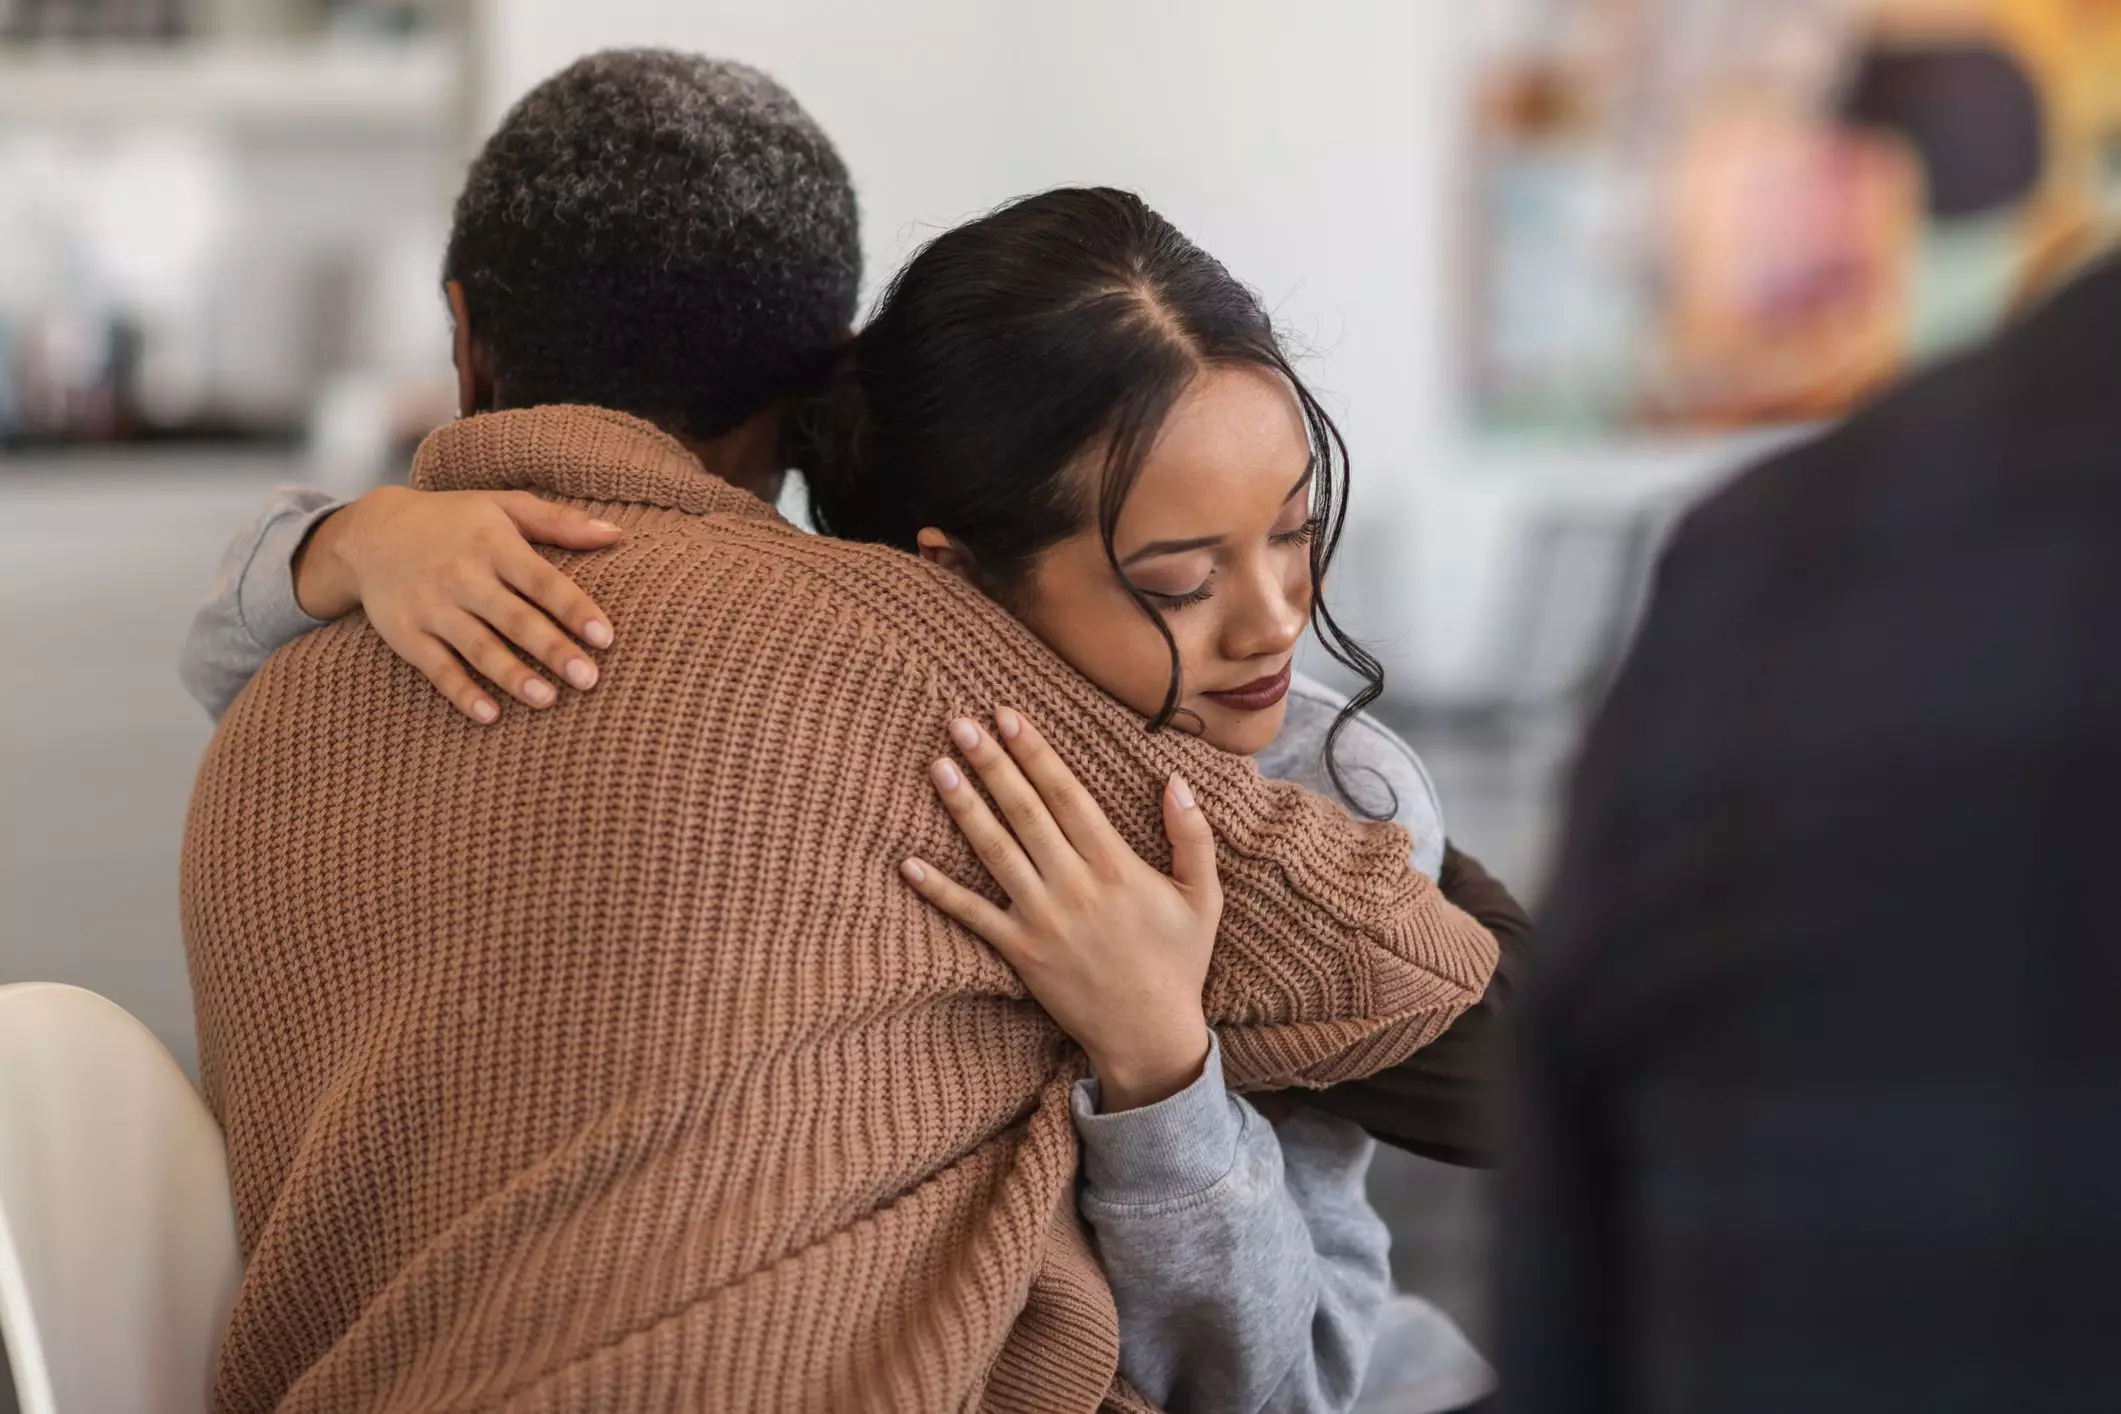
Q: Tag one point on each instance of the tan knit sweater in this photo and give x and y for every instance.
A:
(600, 1061)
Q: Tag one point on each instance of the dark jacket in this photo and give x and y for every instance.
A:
(1821, 1086)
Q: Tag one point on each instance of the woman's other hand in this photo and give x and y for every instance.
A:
(449, 578)
(1116, 952)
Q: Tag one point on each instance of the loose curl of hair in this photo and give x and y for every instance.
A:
(1013, 348)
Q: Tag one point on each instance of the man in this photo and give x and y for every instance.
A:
(597, 1060)
(1821, 1085)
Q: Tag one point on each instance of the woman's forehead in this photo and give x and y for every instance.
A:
(1234, 444)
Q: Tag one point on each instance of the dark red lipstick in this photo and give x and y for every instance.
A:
(1256, 696)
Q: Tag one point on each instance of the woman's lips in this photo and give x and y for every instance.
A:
(1256, 696)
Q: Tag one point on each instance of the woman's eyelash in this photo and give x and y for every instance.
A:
(1299, 536)
(1181, 601)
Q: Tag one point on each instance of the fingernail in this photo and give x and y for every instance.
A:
(945, 775)
(913, 872)
(964, 734)
(539, 692)
(581, 674)
(1007, 723)
(598, 633)
(1181, 792)
(604, 525)
(485, 711)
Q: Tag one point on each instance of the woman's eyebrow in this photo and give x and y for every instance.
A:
(1310, 475)
(1171, 547)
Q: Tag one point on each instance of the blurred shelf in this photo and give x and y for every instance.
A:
(363, 86)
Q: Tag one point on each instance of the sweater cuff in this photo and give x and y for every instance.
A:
(265, 597)
(1171, 1149)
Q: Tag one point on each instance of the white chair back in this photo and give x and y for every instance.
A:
(118, 1253)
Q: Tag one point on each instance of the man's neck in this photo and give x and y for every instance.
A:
(748, 456)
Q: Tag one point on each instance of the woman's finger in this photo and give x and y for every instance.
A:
(967, 907)
(547, 586)
(1072, 807)
(551, 523)
(490, 657)
(1192, 843)
(521, 623)
(440, 666)
(1035, 829)
(990, 840)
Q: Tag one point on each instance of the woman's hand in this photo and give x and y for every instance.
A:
(1116, 952)
(449, 573)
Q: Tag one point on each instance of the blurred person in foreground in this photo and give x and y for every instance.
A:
(1821, 1097)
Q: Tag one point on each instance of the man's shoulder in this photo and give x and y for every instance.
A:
(703, 576)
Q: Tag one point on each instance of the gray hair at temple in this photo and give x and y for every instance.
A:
(661, 233)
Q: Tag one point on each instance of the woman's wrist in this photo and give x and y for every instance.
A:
(325, 587)
(1157, 1067)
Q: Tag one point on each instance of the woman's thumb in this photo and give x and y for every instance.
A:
(546, 522)
(1192, 842)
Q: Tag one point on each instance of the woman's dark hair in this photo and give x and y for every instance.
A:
(1008, 348)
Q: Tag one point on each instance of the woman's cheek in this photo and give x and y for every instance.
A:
(1297, 578)
(1147, 659)
(1124, 655)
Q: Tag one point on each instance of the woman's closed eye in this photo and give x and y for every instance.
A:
(1173, 598)
(1300, 535)
(1182, 598)
(1175, 581)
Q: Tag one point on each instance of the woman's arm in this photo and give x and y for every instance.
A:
(1249, 1269)
(250, 608)
(1248, 1275)
(1440, 1101)
(448, 579)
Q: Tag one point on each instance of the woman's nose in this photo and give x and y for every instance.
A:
(1270, 616)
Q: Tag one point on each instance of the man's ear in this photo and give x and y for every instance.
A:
(474, 375)
(939, 549)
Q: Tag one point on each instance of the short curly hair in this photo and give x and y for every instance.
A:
(661, 233)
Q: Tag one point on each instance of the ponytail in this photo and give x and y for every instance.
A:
(831, 444)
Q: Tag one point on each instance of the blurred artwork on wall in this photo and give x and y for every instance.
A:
(1704, 214)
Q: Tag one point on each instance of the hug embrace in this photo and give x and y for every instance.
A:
(839, 995)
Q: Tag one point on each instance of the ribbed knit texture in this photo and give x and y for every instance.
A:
(599, 1060)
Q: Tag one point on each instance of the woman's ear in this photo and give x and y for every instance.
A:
(939, 549)
(474, 378)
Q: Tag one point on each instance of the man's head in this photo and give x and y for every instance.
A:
(660, 233)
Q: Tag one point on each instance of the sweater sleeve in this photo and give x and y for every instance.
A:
(1249, 1270)
(250, 608)
(1441, 1101)
(1336, 958)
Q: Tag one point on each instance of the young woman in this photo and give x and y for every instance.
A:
(1088, 418)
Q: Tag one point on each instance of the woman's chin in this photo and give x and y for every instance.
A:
(1240, 733)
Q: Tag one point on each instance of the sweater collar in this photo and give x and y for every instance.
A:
(583, 453)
